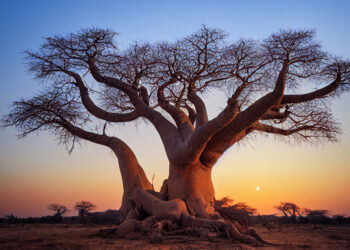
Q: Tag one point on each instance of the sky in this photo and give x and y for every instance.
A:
(35, 171)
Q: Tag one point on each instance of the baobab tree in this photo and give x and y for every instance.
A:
(165, 84)
(58, 209)
(84, 207)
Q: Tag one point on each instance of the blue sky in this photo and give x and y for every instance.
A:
(24, 24)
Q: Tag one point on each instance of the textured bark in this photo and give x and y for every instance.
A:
(166, 213)
(193, 184)
(202, 116)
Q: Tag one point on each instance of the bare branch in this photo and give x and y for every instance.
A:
(338, 71)
(181, 119)
(307, 125)
(192, 115)
(201, 110)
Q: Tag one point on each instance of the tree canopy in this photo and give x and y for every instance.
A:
(58, 209)
(84, 207)
(146, 80)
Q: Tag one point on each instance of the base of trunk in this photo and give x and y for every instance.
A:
(193, 185)
(185, 205)
(155, 218)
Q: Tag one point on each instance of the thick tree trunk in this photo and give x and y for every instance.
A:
(133, 175)
(193, 185)
(185, 201)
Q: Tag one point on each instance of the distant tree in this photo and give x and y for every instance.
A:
(316, 213)
(10, 218)
(234, 211)
(290, 210)
(84, 207)
(58, 209)
(317, 216)
(339, 218)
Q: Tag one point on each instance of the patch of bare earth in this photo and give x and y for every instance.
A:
(54, 236)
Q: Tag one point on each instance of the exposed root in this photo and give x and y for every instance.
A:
(157, 230)
(225, 228)
(170, 210)
(164, 225)
(156, 219)
(130, 226)
(201, 209)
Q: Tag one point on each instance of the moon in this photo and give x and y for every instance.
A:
(257, 188)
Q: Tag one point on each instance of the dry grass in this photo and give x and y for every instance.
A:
(51, 236)
(308, 236)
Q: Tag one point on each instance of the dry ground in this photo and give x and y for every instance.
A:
(53, 236)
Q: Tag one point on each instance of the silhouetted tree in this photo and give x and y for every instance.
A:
(317, 215)
(84, 207)
(290, 210)
(59, 210)
(164, 84)
(339, 218)
(234, 211)
(10, 218)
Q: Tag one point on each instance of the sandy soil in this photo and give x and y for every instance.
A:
(51, 236)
